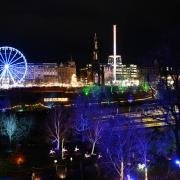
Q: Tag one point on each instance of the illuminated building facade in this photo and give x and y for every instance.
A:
(86, 74)
(42, 73)
(50, 73)
(126, 75)
(66, 72)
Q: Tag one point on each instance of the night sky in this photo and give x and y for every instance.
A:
(55, 30)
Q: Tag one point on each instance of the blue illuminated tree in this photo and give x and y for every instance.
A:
(144, 144)
(82, 116)
(82, 123)
(15, 129)
(169, 99)
(95, 133)
(119, 146)
(168, 87)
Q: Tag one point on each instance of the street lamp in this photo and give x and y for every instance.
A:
(55, 162)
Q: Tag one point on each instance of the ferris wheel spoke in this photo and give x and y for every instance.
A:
(19, 67)
(2, 74)
(2, 58)
(13, 57)
(18, 63)
(15, 75)
(1, 70)
(16, 59)
(16, 71)
(2, 61)
(11, 77)
(5, 55)
(9, 55)
(1, 67)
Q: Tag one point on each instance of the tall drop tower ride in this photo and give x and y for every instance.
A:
(114, 59)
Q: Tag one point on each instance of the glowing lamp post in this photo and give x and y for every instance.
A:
(55, 162)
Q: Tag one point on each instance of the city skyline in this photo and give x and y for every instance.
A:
(53, 31)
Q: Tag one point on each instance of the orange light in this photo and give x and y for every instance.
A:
(62, 176)
(37, 178)
(20, 160)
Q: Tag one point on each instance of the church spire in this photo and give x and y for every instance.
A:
(95, 51)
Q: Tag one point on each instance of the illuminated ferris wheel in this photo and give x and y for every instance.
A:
(13, 66)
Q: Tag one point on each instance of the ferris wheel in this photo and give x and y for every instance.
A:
(13, 66)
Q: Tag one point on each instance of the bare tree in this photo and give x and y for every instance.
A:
(13, 128)
(95, 133)
(57, 127)
(119, 144)
(143, 149)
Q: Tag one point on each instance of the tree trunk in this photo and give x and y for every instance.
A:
(10, 140)
(62, 147)
(58, 145)
(93, 147)
(122, 171)
(146, 173)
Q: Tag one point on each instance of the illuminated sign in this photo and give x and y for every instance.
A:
(55, 99)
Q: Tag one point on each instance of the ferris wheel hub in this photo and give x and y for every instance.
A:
(6, 66)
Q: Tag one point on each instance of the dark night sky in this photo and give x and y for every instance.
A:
(54, 30)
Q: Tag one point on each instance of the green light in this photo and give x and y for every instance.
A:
(111, 89)
(122, 89)
(86, 90)
(145, 86)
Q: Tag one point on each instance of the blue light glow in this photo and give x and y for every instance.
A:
(177, 162)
